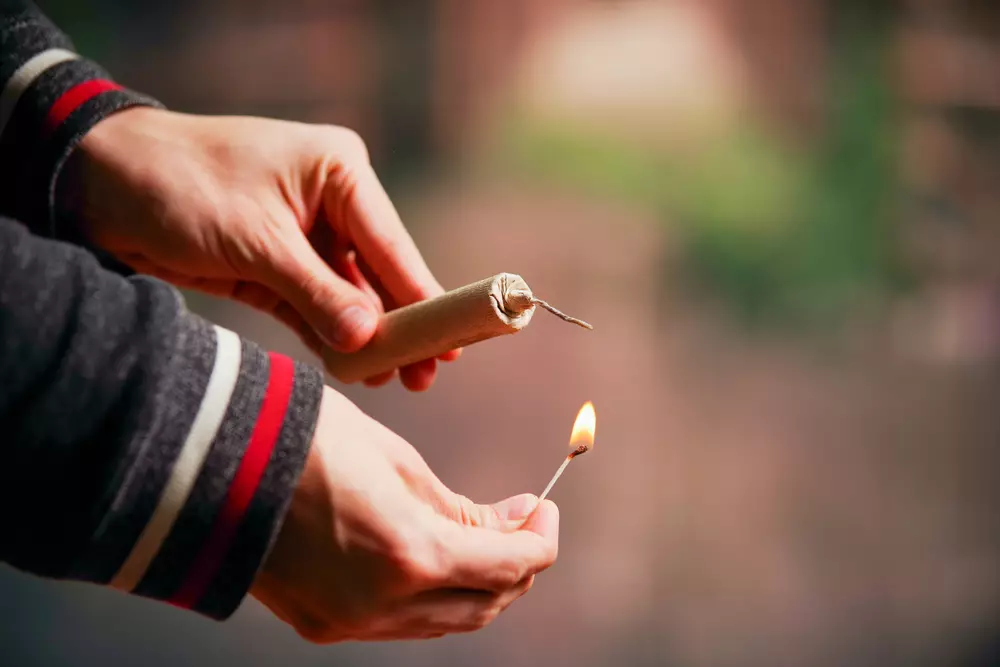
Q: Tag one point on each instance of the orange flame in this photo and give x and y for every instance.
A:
(582, 439)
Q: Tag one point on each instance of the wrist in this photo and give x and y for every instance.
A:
(309, 496)
(99, 153)
(110, 137)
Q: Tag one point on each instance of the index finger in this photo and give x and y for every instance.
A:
(489, 559)
(418, 376)
(370, 219)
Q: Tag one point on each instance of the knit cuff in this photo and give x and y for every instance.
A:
(194, 518)
(51, 97)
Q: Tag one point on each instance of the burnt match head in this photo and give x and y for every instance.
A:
(580, 442)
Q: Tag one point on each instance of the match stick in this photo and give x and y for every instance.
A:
(582, 449)
(582, 440)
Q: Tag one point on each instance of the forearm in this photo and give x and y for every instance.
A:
(142, 447)
(50, 98)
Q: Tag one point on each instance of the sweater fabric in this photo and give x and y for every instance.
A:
(143, 448)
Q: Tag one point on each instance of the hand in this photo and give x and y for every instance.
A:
(375, 547)
(286, 217)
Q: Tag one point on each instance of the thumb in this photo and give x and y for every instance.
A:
(496, 560)
(342, 315)
(514, 511)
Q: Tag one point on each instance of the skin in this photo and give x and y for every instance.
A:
(286, 217)
(291, 219)
(375, 547)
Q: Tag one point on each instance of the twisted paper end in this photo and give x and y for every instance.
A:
(517, 298)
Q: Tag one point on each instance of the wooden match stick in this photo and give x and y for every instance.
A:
(581, 440)
(582, 449)
(498, 305)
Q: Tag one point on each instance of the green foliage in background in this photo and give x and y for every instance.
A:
(778, 234)
(91, 25)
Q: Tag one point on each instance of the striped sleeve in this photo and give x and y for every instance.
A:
(143, 448)
(50, 98)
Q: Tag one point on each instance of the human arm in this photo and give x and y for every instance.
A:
(286, 217)
(376, 547)
(147, 450)
(143, 448)
(50, 98)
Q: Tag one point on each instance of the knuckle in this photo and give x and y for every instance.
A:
(391, 241)
(342, 174)
(349, 144)
(508, 576)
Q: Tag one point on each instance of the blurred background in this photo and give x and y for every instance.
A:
(781, 218)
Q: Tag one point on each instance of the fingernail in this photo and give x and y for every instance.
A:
(517, 508)
(353, 327)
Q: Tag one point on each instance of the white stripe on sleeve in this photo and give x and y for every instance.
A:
(190, 460)
(24, 76)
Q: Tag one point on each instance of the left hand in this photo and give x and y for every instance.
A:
(375, 547)
(287, 217)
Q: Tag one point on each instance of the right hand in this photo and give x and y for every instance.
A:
(286, 217)
(376, 547)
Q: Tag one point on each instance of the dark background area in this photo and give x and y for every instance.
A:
(781, 218)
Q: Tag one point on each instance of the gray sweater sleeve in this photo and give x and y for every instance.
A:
(142, 447)
(50, 98)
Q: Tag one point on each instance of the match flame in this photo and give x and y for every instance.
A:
(582, 439)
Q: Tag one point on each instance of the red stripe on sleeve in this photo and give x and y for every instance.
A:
(71, 100)
(262, 441)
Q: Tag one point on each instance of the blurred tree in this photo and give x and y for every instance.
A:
(782, 234)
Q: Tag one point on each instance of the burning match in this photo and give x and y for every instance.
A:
(581, 441)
